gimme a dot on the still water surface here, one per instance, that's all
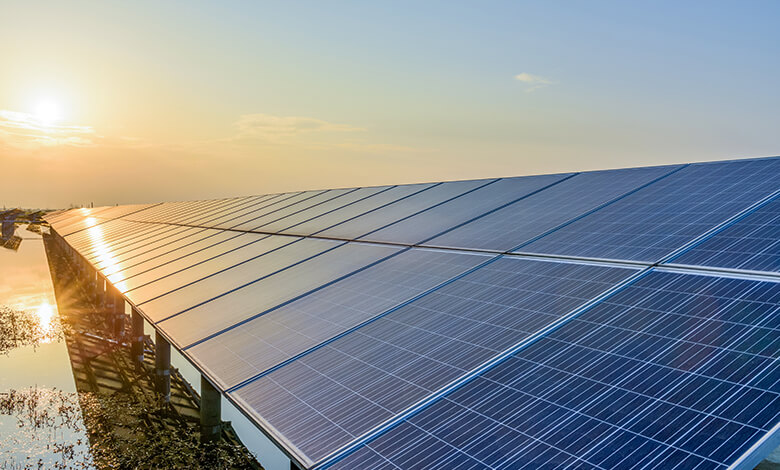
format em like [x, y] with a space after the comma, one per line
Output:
[41, 420]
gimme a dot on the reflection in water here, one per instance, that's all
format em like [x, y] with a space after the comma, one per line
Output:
[48, 422]
[20, 328]
[45, 313]
[40, 422]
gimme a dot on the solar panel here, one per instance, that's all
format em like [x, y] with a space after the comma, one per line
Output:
[327, 220]
[230, 267]
[520, 222]
[176, 210]
[437, 219]
[167, 260]
[212, 313]
[91, 218]
[375, 219]
[332, 395]
[235, 218]
[103, 248]
[675, 371]
[384, 328]
[655, 221]
[241, 353]
[752, 243]
[228, 207]
[329, 206]
[313, 200]
[114, 230]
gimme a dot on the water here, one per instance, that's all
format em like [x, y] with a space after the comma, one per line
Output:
[40, 421]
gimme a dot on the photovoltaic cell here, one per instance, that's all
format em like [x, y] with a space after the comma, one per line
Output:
[677, 371]
[327, 398]
[752, 243]
[655, 221]
[258, 293]
[436, 220]
[278, 335]
[520, 222]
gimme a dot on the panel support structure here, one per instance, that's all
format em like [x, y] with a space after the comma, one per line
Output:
[210, 412]
[162, 366]
[137, 345]
[118, 317]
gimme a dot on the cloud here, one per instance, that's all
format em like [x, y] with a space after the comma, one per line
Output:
[534, 82]
[278, 128]
[25, 130]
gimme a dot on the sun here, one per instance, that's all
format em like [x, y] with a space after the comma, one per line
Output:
[47, 111]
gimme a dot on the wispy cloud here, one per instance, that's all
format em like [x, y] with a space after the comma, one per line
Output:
[533, 82]
[278, 128]
[28, 131]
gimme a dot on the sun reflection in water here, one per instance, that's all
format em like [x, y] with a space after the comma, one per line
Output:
[45, 314]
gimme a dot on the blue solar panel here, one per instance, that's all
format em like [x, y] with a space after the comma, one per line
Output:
[676, 371]
[752, 243]
[276, 336]
[332, 395]
[520, 222]
[406, 207]
[437, 219]
[259, 293]
[655, 221]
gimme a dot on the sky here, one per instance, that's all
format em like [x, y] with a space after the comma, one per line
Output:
[121, 102]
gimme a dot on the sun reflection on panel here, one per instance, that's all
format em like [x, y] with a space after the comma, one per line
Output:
[104, 257]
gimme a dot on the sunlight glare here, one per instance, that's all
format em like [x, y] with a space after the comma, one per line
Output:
[47, 111]
[45, 313]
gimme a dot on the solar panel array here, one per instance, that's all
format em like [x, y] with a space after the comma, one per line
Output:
[608, 319]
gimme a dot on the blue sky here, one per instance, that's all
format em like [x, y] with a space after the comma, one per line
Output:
[251, 97]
